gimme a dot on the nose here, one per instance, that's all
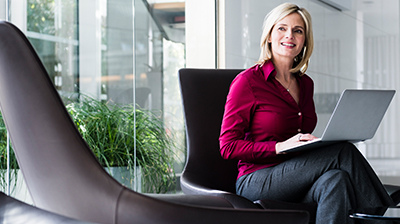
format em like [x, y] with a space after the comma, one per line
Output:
[289, 34]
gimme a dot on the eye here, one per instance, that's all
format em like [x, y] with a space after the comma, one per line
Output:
[281, 28]
[299, 31]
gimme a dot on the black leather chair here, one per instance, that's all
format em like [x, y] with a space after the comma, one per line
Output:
[61, 172]
[13, 211]
[204, 94]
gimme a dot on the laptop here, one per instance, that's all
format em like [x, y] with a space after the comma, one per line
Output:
[355, 118]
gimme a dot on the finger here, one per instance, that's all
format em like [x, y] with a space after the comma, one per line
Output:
[297, 137]
[307, 137]
[300, 138]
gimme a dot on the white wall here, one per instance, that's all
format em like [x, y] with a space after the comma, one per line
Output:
[3, 11]
[200, 34]
[90, 47]
[16, 16]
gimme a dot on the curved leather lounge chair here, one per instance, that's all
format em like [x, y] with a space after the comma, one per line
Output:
[61, 172]
[204, 94]
[13, 211]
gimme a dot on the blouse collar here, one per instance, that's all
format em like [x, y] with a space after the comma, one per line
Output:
[268, 69]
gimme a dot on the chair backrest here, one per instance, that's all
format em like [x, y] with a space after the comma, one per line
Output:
[59, 168]
[204, 94]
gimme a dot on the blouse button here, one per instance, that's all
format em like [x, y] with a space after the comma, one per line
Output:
[299, 130]
[299, 113]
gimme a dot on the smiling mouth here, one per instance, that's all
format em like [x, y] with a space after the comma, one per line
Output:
[288, 45]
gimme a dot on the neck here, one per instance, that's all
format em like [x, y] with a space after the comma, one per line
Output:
[282, 68]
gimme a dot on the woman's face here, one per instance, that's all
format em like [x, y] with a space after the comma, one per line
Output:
[287, 37]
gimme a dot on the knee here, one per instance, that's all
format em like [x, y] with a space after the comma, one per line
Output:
[348, 146]
[334, 180]
[335, 177]
[349, 150]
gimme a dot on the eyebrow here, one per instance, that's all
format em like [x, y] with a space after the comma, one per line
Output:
[284, 24]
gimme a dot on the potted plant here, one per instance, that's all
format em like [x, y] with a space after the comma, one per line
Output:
[114, 131]
[14, 168]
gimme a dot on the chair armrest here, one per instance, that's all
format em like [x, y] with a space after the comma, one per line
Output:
[191, 187]
[394, 192]
[194, 200]
[16, 211]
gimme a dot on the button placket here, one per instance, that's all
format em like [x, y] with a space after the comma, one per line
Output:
[300, 119]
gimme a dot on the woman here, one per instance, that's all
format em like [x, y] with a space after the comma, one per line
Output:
[270, 108]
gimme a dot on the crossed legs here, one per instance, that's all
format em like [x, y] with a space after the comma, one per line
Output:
[336, 177]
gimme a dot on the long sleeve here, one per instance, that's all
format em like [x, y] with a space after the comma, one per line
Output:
[239, 107]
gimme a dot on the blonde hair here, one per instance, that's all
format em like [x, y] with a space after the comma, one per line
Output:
[302, 60]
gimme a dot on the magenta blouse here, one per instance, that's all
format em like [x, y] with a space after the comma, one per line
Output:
[259, 112]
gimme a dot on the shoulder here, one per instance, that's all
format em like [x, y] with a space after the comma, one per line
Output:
[307, 84]
[248, 75]
[243, 84]
[307, 80]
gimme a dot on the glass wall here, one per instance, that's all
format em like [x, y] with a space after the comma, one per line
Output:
[355, 47]
[114, 63]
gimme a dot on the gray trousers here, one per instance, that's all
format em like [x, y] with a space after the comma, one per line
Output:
[336, 177]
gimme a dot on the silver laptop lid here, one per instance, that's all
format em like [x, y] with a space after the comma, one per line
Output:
[357, 115]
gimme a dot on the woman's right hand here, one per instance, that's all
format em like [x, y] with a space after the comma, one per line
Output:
[293, 141]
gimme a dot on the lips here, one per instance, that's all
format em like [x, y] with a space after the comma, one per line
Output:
[288, 44]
